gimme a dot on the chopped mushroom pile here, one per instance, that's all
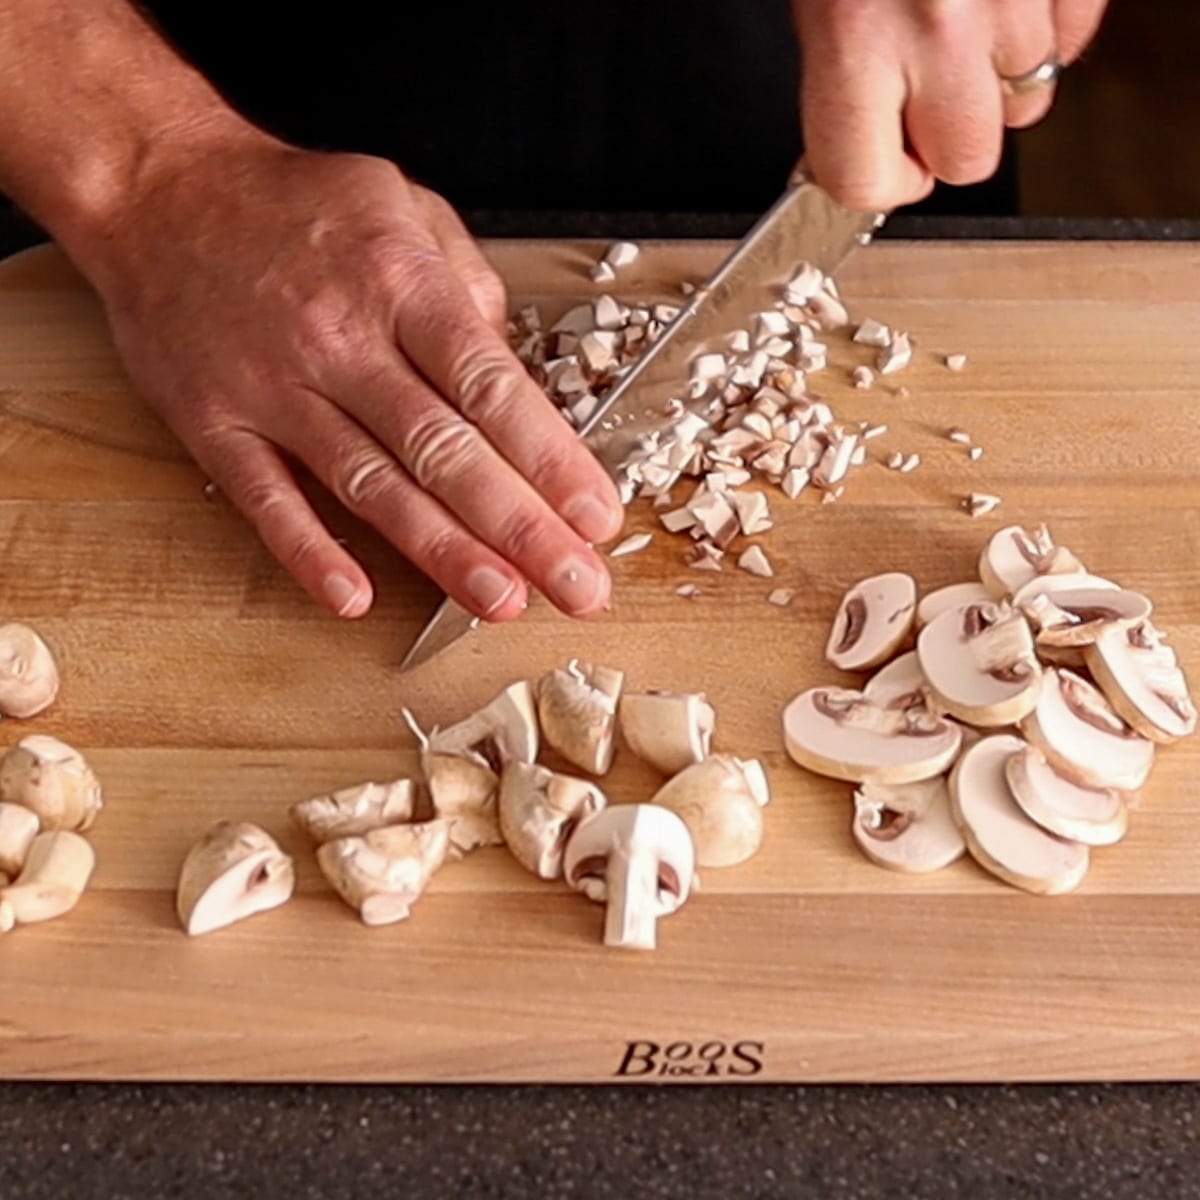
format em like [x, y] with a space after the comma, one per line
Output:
[1072, 660]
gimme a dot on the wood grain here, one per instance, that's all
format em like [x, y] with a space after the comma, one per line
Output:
[204, 684]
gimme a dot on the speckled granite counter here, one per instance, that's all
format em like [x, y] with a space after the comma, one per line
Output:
[132, 1142]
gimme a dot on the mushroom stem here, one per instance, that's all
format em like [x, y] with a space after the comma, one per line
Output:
[56, 872]
[631, 918]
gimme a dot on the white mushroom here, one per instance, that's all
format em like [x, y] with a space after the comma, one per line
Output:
[1078, 731]
[721, 801]
[1014, 556]
[907, 827]
[668, 730]
[504, 730]
[1000, 837]
[28, 672]
[900, 683]
[1075, 617]
[639, 860]
[980, 665]
[539, 811]
[56, 872]
[356, 810]
[18, 827]
[1093, 816]
[52, 779]
[383, 873]
[577, 711]
[1050, 586]
[873, 620]
[234, 871]
[844, 735]
[955, 595]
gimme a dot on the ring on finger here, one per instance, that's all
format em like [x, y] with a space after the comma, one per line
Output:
[1044, 75]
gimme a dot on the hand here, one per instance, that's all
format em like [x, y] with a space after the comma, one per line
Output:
[275, 305]
[900, 93]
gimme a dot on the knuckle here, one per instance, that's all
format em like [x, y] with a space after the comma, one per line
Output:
[521, 535]
[364, 479]
[440, 448]
[485, 385]
[261, 500]
[437, 551]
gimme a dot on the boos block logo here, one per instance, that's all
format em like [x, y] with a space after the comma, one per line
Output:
[697, 1060]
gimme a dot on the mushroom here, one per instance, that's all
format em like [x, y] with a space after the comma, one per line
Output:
[874, 619]
[907, 827]
[52, 779]
[18, 827]
[577, 710]
[56, 871]
[1073, 617]
[668, 730]
[539, 810]
[28, 672]
[355, 810]
[234, 871]
[640, 860]
[901, 682]
[1078, 731]
[845, 735]
[980, 665]
[1014, 556]
[721, 801]
[1141, 677]
[504, 730]
[955, 595]
[383, 873]
[1093, 816]
[1000, 837]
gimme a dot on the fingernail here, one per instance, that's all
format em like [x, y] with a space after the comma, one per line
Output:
[346, 596]
[592, 518]
[579, 587]
[489, 589]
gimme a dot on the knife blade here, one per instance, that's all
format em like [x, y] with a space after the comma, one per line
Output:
[804, 225]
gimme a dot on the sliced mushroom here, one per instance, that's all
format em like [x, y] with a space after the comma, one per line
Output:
[1084, 738]
[1014, 556]
[721, 801]
[52, 779]
[356, 810]
[1093, 816]
[18, 827]
[1073, 617]
[577, 710]
[539, 810]
[874, 619]
[1141, 677]
[842, 734]
[1052, 585]
[56, 872]
[28, 672]
[980, 665]
[955, 595]
[1000, 837]
[901, 683]
[907, 827]
[383, 873]
[668, 730]
[639, 860]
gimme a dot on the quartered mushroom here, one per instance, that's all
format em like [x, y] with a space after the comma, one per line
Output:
[1014, 556]
[1141, 677]
[980, 664]
[54, 780]
[1000, 837]
[721, 801]
[28, 673]
[504, 730]
[52, 881]
[955, 595]
[907, 827]
[539, 810]
[18, 828]
[1083, 737]
[1093, 816]
[234, 871]
[639, 860]
[873, 621]
[356, 810]
[1074, 617]
[668, 730]
[844, 735]
[577, 711]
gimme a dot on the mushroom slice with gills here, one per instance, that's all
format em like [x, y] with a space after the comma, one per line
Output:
[1052, 585]
[980, 664]
[874, 619]
[668, 730]
[234, 871]
[577, 711]
[1141, 677]
[54, 780]
[907, 827]
[954, 595]
[539, 809]
[899, 684]
[721, 801]
[1093, 816]
[504, 730]
[56, 872]
[1074, 617]
[1000, 837]
[383, 873]
[844, 735]
[18, 827]
[639, 860]
[1014, 556]
[356, 810]
[1084, 738]
[28, 673]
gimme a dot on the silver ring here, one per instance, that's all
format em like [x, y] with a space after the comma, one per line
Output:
[1044, 75]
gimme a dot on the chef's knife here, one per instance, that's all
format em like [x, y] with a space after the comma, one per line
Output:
[805, 225]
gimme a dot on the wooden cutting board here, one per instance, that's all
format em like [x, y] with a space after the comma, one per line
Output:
[203, 685]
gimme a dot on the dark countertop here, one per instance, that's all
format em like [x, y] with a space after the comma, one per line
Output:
[220, 1142]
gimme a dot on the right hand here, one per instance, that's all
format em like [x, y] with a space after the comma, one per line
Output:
[278, 304]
